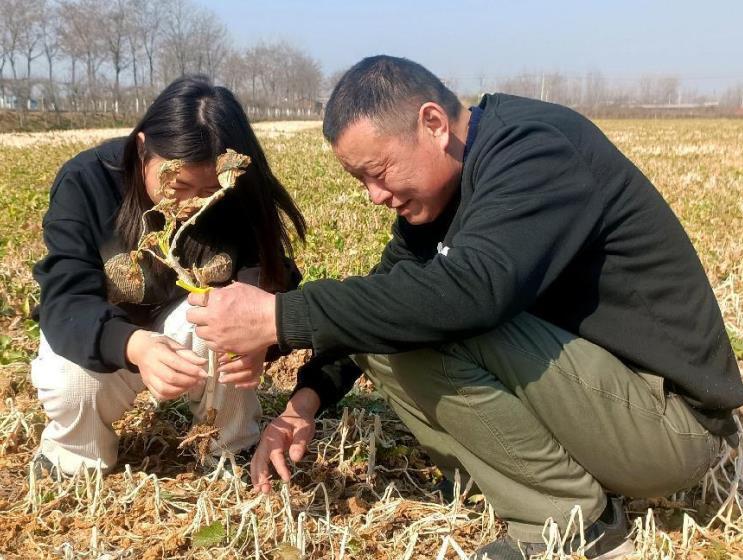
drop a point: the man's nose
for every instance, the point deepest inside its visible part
(377, 194)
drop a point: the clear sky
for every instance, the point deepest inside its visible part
(701, 42)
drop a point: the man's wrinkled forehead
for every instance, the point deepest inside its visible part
(357, 166)
(360, 147)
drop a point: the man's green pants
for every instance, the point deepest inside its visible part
(543, 421)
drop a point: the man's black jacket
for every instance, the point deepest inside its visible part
(551, 219)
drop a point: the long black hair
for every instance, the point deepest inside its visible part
(195, 121)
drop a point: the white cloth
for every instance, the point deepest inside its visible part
(82, 404)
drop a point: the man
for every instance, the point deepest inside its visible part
(539, 319)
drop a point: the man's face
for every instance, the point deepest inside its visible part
(416, 176)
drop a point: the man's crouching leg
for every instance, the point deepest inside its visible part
(81, 406)
(544, 421)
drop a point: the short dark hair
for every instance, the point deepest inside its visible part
(389, 91)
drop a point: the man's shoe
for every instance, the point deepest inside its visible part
(609, 532)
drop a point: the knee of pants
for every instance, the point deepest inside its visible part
(64, 388)
(416, 377)
(381, 369)
(61, 384)
(417, 363)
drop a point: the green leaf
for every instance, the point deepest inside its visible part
(738, 347)
(209, 536)
(737, 344)
(32, 328)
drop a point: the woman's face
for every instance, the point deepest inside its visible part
(195, 180)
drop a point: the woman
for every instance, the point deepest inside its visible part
(112, 318)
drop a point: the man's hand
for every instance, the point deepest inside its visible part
(291, 431)
(168, 369)
(244, 371)
(239, 318)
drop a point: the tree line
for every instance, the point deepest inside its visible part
(115, 55)
(596, 94)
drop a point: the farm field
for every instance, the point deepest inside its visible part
(364, 490)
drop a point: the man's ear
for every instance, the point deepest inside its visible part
(433, 122)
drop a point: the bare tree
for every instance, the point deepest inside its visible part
(96, 51)
(280, 74)
(13, 23)
(51, 47)
(71, 45)
(4, 54)
(116, 32)
(668, 90)
(253, 69)
(83, 40)
(235, 74)
(146, 22)
(177, 46)
(733, 97)
(212, 42)
(304, 78)
(526, 85)
(330, 81)
(655, 90)
(135, 51)
(595, 89)
(30, 43)
(554, 88)
(21, 40)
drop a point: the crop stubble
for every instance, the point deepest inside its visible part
(364, 489)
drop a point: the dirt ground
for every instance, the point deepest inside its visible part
(24, 139)
(365, 489)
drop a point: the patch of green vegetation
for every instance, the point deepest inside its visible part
(737, 344)
(273, 402)
(355, 399)
(176, 411)
(346, 233)
(9, 354)
(211, 535)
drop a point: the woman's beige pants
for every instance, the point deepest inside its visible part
(82, 404)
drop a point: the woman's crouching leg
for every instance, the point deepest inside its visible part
(238, 414)
(81, 406)
(238, 411)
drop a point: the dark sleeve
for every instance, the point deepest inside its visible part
(396, 250)
(533, 208)
(330, 378)
(75, 317)
(293, 278)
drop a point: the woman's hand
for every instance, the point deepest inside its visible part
(291, 431)
(244, 371)
(168, 369)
